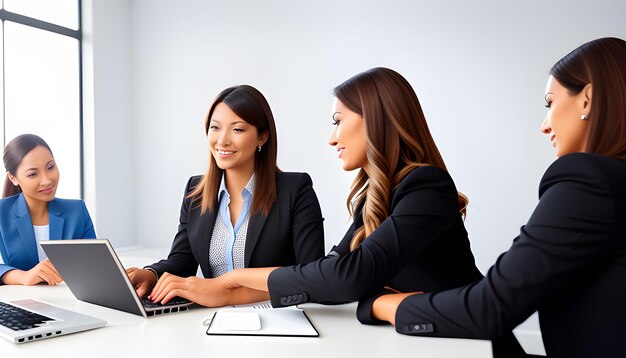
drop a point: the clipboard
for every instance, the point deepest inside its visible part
(277, 322)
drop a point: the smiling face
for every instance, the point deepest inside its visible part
(37, 175)
(232, 141)
(568, 133)
(349, 137)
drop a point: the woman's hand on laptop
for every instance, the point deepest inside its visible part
(143, 280)
(42, 272)
(209, 292)
(203, 291)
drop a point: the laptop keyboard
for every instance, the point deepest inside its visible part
(174, 301)
(19, 319)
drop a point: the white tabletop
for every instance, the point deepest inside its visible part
(183, 335)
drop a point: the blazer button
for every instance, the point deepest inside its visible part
(422, 328)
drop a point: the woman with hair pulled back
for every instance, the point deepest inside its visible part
(569, 261)
(29, 213)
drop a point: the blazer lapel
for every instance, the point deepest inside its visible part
(56, 221)
(255, 226)
(24, 226)
(202, 226)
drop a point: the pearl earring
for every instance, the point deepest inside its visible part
(583, 117)
(258, 149)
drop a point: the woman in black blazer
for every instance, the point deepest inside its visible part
(408, 231)
(569, 261)
(244, 212)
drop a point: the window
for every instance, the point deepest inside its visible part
(41, 81)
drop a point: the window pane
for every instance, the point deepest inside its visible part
(42, 96)
(60, 12)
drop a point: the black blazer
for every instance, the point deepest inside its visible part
(292, 233)
(569, 262)
(421, 246)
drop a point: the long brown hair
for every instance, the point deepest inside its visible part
(14, 152)
(601, 63)
(251, 106)
(398, 141)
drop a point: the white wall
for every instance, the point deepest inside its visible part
(479, 69)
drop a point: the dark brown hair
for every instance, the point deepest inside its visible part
(14, 152)
(601, 63)
(251, 106)
(398, 140)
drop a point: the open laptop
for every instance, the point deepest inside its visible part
(29, 320)
(94, 274)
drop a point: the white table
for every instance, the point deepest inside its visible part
(182, 335)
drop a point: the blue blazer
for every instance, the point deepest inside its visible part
(68, 219)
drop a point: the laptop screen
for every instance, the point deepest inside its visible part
(94, 273)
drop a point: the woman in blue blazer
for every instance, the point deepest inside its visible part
(569, 261)
(30, 213)
(244, 212)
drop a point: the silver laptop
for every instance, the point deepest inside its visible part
(25, 321)
(94, 274)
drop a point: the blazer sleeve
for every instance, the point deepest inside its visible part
(88, 230)
(307, 222)
(4, 268)
(569, 234)
(423, 207)
(180, 260)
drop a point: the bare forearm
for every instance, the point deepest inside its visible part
(384, 307)
(245, 295)
(252, 278)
